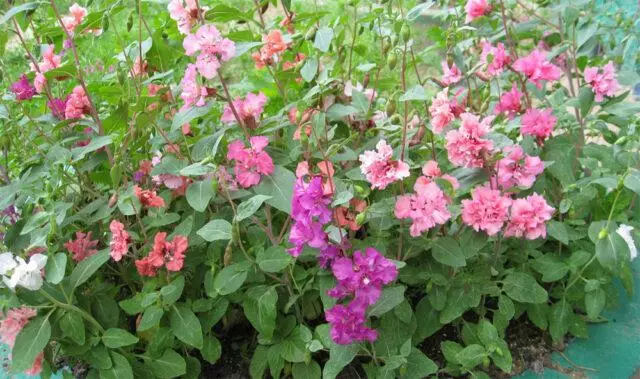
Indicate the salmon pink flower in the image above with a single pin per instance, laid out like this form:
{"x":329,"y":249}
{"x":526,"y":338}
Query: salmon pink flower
{"x":466,"y":147}
{"x":212,"y":47}
{"x":148,"y":198}
{"x":509,"y":103}
{"x":450,"y":75}
{"x":518,"y":169}
{"x":604,"y":83}
{"x":120,"y":239}
{"x":346,"y":216}
{"x":528,"y":217}
{"x":13,"y":322}
{"x":23,"y":89}
{"x":487,"y":210}
{"x":250,"y":163}
{"x":269,"y":53}
{"x":380,"y":168}
{"x":164,"y":253}
{"x":139,"y":67}
{"x":82,"y":247}
{"x":537,"y":68}
{"x":538,"y":123}
{"x":475,"y":9}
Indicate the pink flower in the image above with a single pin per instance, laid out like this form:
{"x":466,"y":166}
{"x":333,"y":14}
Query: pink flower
{"x":120,"y":239}
{"x":212,"y":47}
{"x":509,"y":102}
{"x":249,"y":110}
{"x":186,"y":15}
{"x":536,"y":68}
{"x":528,"y":217}
{"x":82,"y":247}
{"x":23,"y":89}
{"x":39,"y":82}
{"x":78,"y":13}
{"x":380,"y":168}
{"x":273,"y":46}
{"x":58,"y":107}
{"x":36,"y":368}
{"x":538,"y":123}
{"x":475,"y":9}
{"x":77,"y":103}
{"x":495,"y":58}
{"x":487,"y":210}
{"x":450,"y":75}
{"x":148,"y":198}
{"x":602,"y":84}
{"x":193,"y":94}
{"x":370,"y":93}
{"x":518,"y":169}
{"x":440,"y":109}
{"x":465,"y":146}
{"x":427,"y":207}
{"x":164,"y":253}
{"x":251,"y":163}
{"x":139,"y":67}
{"x":431,"y":170}
{"x":49,"y":60}
{"x":12,"y":324}
{"x":346,"y":217}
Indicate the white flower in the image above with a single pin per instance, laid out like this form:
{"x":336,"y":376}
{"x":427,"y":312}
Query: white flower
{"x":7,"y":263}
{"x":624,"y":231}
{"x":28,"y":275}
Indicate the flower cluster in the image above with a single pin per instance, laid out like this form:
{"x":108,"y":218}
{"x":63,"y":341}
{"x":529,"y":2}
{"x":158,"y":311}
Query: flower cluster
{"x":475,"y":9}
{"x":528,"y":216}
{"x":509,"y":103}
{"x":74,"y":18}
{"x":450,"y":75}
{"x":518,"y":169}
{"x":15,"y":271}
{"x":495,"y":58}
{"x":361,"y":278}
{"x":77,"y":104}
{"x":248,"y":109}
{"x":49,"y":62}
{"x":164,"y":253}
{"x":443,"y":111}
{"x":538,"y":123}
{"x":193,"y":93}
{"x":82,"y":247}
{"x":537,"y":68}
{"x":465,"y":146}
{"x":426,"y":208}
{"x":212,"y":47}
{"x":252,"y":162}
{"x":380,"y":168}
{"x":23,"y":89}
{"x":603,"y":82}
{"x":185,"y":13}
{"x":148,"y":198}
{"x":274,"y":45}
{"x":309,"y":212}
{"x":11,"y":325}
{"x":119,"y":245}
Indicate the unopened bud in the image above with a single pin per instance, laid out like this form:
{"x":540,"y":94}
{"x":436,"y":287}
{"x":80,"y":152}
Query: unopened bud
{"x":361,"y":218}
{"x":405,"y":33}
{"x":113,"y":200}
{"x":603,"y":234}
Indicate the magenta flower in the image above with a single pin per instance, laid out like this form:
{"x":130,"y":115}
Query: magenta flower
{"x":347,"y":324}
{"x":536,"y":68}
{"x":528,"y":217}
{"x":212,"y":47}
{"x":380,"y":168}
{"x":487,"y":210}
{"x":604,"y":83}
{"x":538,"y":123}
{"x":465,"y":146}
{"x":426,"y":208}
{"x":23,"y":89}
{"x":58,"y":107}
{"x":251,"y":163}
{"x":509,"y":102}
{"x":518,"y":169}
{"x":310,"y":212}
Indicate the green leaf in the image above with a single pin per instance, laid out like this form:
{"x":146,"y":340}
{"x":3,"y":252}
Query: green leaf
{"x":115,"y":338}
{"x":247,"y":208}
{"x":339,"y":357}
{"x":359,"y":101}
{"x":389,"y":299}
{"x":243,"y":47}
{"x":279,"y":186}
{"x":559,"y":319}
{"x":197,"y":169}
{"x":585,"y":98}
{"x":54,"y":271}
{"x":16,"y":10}
{"x":551,"y":267}
{"x":632,"y":181}
{"x":294,"y":347}
{"x":30,"y":342}
{"x":211,"y":349}
{"x":259,"y":362}
{"x":172,"y":291}
{"x":418,"y":365}
{"x":447,"y":251}
{"x":215,"y":230}
{"x":558,"y":230}
{"x":427,"y":318}
{"x":471,"y":356}
{"x":188,"y":115}
{"x":322,"y":42}
{"x":95,"y":144}
{"x":611,"y":251}
{"x":199,"y":194}
{"x":185,"y":325}
{"x":121,"y":368}
{"x":230,"y":279}
{"x":338,"y":111}
{"x":72,"y":326}
{"x":87,"y":267}
{"x":414,"y":93}
{"x":274,"y":259}
{"x":595,"y":302}
{"x":309,"y":70}
{"x":523,"y":287}
{"x":150,"y":318}
{"x":225,"y":13}
{"x":169,"y":365}
{"x":260,"y":309}
{"x":310,"y":370}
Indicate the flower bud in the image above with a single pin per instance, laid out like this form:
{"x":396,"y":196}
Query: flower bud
{"x":405,"y":33}
{"x":361,"y":218}
{"x":396,"y":119}
{"x":603,"y":234}
{"x":113,"y":200}
{"x":105,"y":23}
{"x":485,"y":362}
{"x":214,"y":185}
{"x":391,"y":107}
{"x":130,"y":22}
{"x":311,"y":33}
{"x":392,"y":60}
{"x":116,"y":175}
{"x":386,"y":45}
{"x":360,"y":190}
